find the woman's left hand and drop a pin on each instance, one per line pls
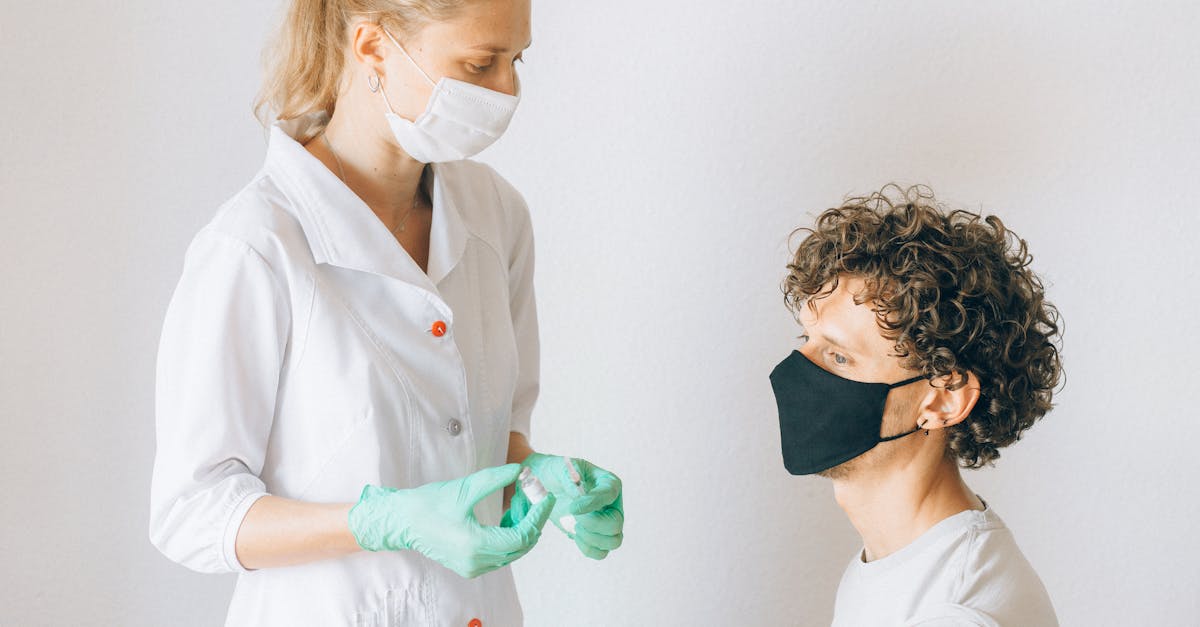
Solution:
(594, 502)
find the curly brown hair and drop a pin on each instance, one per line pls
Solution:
(955, 293)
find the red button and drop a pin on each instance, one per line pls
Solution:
(438, 330)
(475, 622)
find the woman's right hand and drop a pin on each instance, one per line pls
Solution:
(438, 521)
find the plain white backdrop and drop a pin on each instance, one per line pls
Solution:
(666, 150)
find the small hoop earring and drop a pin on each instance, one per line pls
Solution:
(373, 85)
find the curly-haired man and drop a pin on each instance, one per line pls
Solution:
(927, 345)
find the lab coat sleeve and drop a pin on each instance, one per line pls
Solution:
(524, 314)
(219, 360)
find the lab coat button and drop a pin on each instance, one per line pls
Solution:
(439, 329)
(454, 427)
(475, 622)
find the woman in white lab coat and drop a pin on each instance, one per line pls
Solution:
(351, 354)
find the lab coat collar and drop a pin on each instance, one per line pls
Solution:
(448, 233)
(343, 231)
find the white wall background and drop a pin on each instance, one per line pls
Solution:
(667, 149)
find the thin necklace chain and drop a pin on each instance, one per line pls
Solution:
(399, 228)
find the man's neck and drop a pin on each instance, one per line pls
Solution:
(893, 508)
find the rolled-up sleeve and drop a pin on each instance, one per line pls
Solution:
(523, 307)
(219, 360)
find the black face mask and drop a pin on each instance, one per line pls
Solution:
(824, 419)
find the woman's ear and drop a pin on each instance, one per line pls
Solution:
(942, 407)
(367, 44)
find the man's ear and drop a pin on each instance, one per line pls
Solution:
(942, 407)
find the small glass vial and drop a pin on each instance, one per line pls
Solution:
(536, 493)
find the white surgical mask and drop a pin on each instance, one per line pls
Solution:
(460, 120)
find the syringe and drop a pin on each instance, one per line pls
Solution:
(568, 521)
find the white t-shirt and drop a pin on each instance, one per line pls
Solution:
(966, 570)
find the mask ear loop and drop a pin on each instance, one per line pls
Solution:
(900, 435)
(409, 57)
(919, 426)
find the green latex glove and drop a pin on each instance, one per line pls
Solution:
(595, 503)
(438, 521)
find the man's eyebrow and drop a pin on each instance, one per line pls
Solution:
(840, 343)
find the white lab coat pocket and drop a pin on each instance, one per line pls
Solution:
(401, 607)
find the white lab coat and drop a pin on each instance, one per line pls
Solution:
(298, 359)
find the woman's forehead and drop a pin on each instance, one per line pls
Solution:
(498, 26)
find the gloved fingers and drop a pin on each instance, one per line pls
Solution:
(552, 471)
(475, 487)
(460, 556)
(517, 508)
(604, 491)
(495, 557)
(499, 542)
(503, 541)
(506, 521)
(598, 541)
(589, 550)
(509, 558)
(473, 568)
(535, 518)
(608, 521)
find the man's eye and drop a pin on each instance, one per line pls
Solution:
(840, 359)
(478, 68)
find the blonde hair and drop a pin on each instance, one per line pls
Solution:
(303, 64)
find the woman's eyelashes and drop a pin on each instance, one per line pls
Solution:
(480, 68)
